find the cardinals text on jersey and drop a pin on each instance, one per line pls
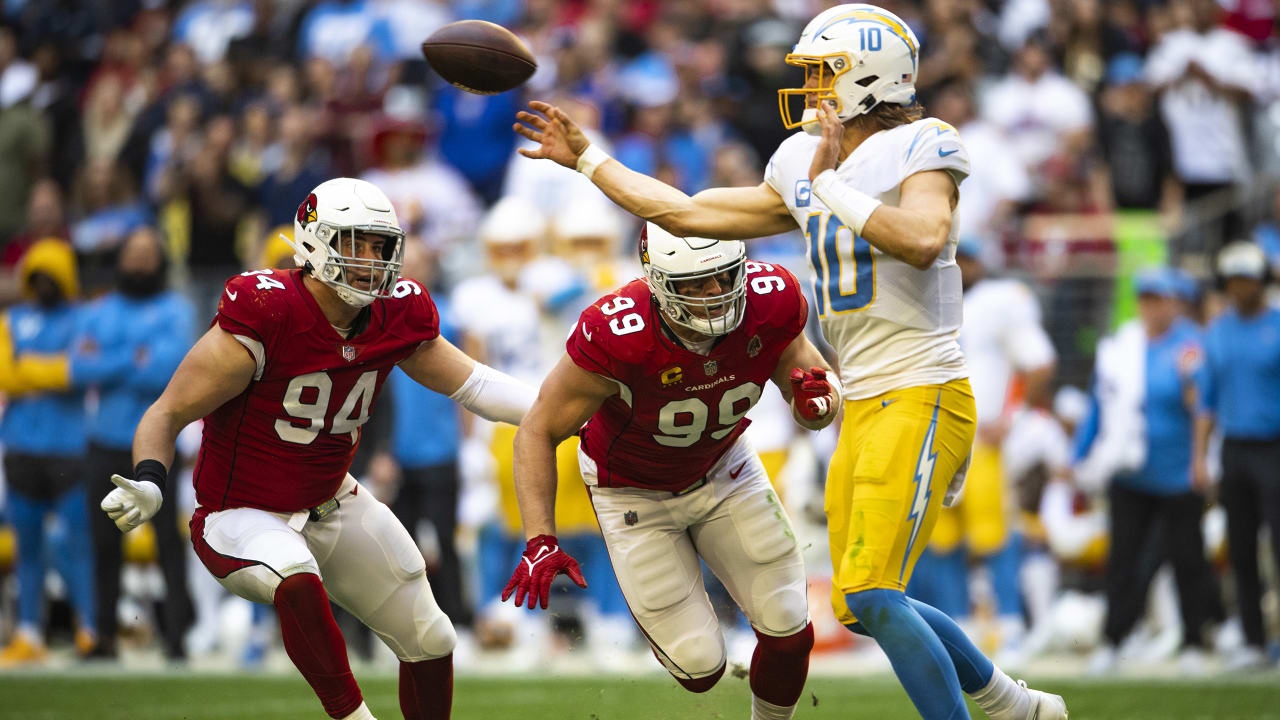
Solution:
(893, 325)
(670, 398)
(286, 442)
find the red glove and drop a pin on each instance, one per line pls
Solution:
(811, 393)
(541, 562)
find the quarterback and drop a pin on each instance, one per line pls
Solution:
(663, 372)
(284, 380)
(873, 185)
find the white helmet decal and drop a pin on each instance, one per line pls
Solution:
(324, 239)
(863, 55)
(668, 260)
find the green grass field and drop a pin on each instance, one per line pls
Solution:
(231, 697)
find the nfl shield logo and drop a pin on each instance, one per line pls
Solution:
(710, 367)
(754, 346)
(348, 352)
(630, 517)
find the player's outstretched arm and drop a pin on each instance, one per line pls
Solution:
(915, 231)
(569, 396)
(493, 395)
(814, 393)
(214, 371)
(721, 213)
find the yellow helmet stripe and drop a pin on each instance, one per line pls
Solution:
(894, 26)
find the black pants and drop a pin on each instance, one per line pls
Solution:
(431, 493)
(172, 549)
(1250, 494)
(1173, 523)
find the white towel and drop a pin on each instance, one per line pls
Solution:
(1120, 445)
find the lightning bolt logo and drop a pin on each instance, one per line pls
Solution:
(923, 481)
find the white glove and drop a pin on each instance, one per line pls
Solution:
(132, 503)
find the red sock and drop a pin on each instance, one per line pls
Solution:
(780, 665)
(315, 644)
(426, 688)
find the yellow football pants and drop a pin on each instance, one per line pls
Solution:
(573, 506)
(981, 518)
(896, 455)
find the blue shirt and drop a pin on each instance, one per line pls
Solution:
(425, 428)
(1174, 361)
(1244, 368)
(128, 351)
(50, 423)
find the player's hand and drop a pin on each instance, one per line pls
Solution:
(541, 562)
(828, 152)
(811, 394)
(132, 503)
(558, 135)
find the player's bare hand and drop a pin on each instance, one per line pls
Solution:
(828, 152)
(558, 136)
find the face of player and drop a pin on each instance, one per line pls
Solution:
(1246, 294)
(365, 246)
(706, 287)
(507, 259)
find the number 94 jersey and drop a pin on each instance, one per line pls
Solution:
(285, 443)
(676, 411)
(893, 325)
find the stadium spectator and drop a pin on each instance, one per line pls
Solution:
(132, 341)
(43, 431)
(45, 218)
(1134, 140)
(1204, 74)
(1243, 351)
(108, 211)
(24, 134)
(302, 167)
(1150, 380)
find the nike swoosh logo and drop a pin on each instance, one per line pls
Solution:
(949, 152)
(887, 403)
(586, 334)
(231, 295)
(733, 474)
(543, 552)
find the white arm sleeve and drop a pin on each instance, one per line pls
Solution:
(495, 395)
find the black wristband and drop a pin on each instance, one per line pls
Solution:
(153, 471)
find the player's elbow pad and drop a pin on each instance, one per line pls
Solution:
(495, 395)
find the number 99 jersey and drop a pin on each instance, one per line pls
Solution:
(285, 443)
(676, 411)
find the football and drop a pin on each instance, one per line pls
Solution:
(479, 57)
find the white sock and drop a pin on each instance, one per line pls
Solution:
(1003, 698)
(762, 710)
(361, 713)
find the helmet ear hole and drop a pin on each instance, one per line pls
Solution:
(866, 81)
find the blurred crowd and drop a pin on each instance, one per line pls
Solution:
(150, 149)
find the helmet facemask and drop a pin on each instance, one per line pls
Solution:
(713, 315)
(358, 280)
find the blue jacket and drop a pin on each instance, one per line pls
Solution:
(425, 428)
(128, 351)
(1244, 369)
(46, 423)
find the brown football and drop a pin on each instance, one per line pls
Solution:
(479, 57)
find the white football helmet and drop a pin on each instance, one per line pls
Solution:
(1242, 259)
(324, 239)
(668, 259)
(863, 55)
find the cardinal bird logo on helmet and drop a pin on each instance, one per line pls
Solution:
(644, 245)
(307, 210)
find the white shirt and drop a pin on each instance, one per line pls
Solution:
(997, 177)
(1034, 115)
(893, 326)
(1000, 337)
(443, 196)
(1205, 127)
(506, 321)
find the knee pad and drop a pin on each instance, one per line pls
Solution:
(702, 684)
(436, 636)
(696, 659)
(785, 607)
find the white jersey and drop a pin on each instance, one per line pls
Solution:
(893, 326)
(1001, 336)
(506, 320)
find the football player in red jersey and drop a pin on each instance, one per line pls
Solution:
(284, 379)
(662, 372)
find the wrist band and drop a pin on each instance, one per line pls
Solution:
(152, 471)
(590, 159)
(851, 205)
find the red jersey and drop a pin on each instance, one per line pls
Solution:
(286, 442)
(677, 411)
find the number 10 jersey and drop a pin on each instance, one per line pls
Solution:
(285, 443)
(677, 412)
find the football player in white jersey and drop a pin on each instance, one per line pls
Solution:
(873, 184)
